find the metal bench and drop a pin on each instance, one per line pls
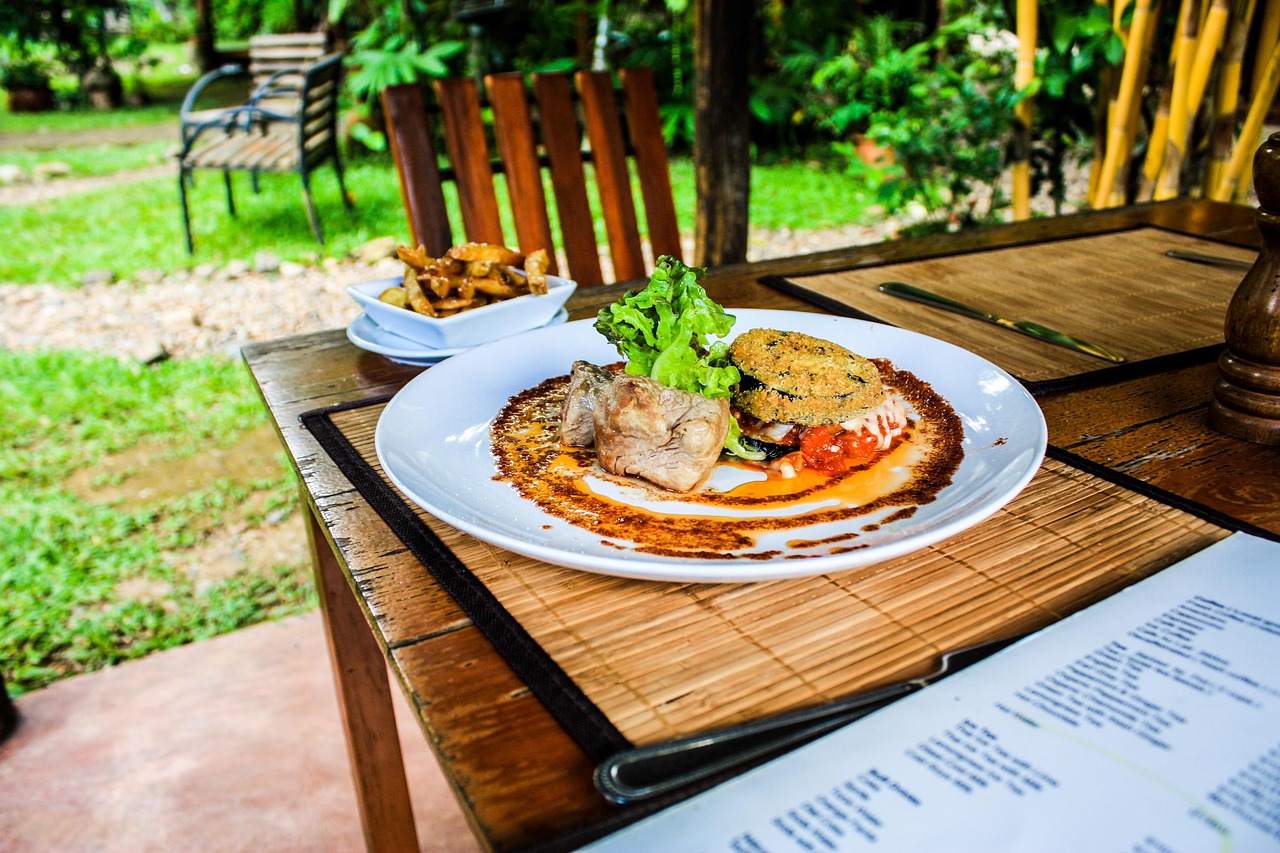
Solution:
(275, 67)
(256, 139)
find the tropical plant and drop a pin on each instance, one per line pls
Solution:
(1082, 45)
(387, 52)
(21, 67)
(942, 105)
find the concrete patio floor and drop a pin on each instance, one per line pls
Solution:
(229, 744)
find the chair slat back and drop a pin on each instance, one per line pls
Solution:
(464, 138)
(319, 105)
(555, 131)
(288, 52)
(414, 152)
(518, 150)
(554, 93)
(652, 166)
(613, 179)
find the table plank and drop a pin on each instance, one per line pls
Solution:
(1162, 437)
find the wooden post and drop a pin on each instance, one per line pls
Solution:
(1246, 399)
(722, 30)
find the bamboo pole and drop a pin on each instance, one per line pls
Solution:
(1179, 120)
(1120, 185)
(1210, 41)
(1106, 100)
(1268, 34)
(1024, 74)
(1159, 133)
(1248, 143)
(1227, 98)
(1117, 143)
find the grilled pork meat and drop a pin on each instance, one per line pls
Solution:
(643, 429)
(577, 416)
(669, 437)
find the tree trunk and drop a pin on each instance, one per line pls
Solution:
(206, 51)
(721, 130)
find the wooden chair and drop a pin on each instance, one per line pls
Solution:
(547, 131)
(253, 139)
(276, 64)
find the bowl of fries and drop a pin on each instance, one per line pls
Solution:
(476, 293)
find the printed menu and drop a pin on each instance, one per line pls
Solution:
(1149, 722)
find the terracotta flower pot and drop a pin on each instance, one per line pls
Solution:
(871, 153)
(30, 99)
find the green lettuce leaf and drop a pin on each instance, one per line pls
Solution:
(665, 332)
(671, 332)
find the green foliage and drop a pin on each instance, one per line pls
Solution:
(78, 31)
(1082, 46)
(22, 65)
(387, 52)
(240, 19)
(943, 106)
(65, 560)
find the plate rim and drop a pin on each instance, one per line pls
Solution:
(422, 352)
(633, 564)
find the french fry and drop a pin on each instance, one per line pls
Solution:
(469, 276)
(486, 252)
(415, 297)
(493, 287)
(535, 270)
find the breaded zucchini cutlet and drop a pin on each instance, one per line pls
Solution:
(794, 378)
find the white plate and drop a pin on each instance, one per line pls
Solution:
(439, 455)
(368, 335)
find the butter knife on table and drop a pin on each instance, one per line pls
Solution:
(643, 772)
(1026, 327)
(1212, 260)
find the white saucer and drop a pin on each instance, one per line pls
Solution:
(368, 335)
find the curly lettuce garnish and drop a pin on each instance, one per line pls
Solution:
(666, 332)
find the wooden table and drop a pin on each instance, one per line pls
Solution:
(521, 780)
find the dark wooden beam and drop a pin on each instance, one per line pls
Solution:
(722, 124)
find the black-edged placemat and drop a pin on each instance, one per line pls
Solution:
(1118, 290)
(619, 661)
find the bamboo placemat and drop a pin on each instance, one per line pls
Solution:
(1117, 290)
(660, 660)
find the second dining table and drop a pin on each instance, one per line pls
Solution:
(525, 675)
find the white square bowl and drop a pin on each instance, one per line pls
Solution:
(466, 328)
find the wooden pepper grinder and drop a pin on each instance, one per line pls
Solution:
(1247, 395)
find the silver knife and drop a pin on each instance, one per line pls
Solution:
(1214, 260)
(1026, 327)
(647, 771)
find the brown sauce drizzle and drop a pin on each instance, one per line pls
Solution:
(529, 456)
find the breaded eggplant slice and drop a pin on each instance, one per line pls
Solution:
(791, 377)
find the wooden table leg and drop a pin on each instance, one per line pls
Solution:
(364, 698)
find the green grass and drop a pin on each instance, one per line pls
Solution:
(63, 557)
(138, 225)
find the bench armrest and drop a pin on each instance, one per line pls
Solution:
(193, 94)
